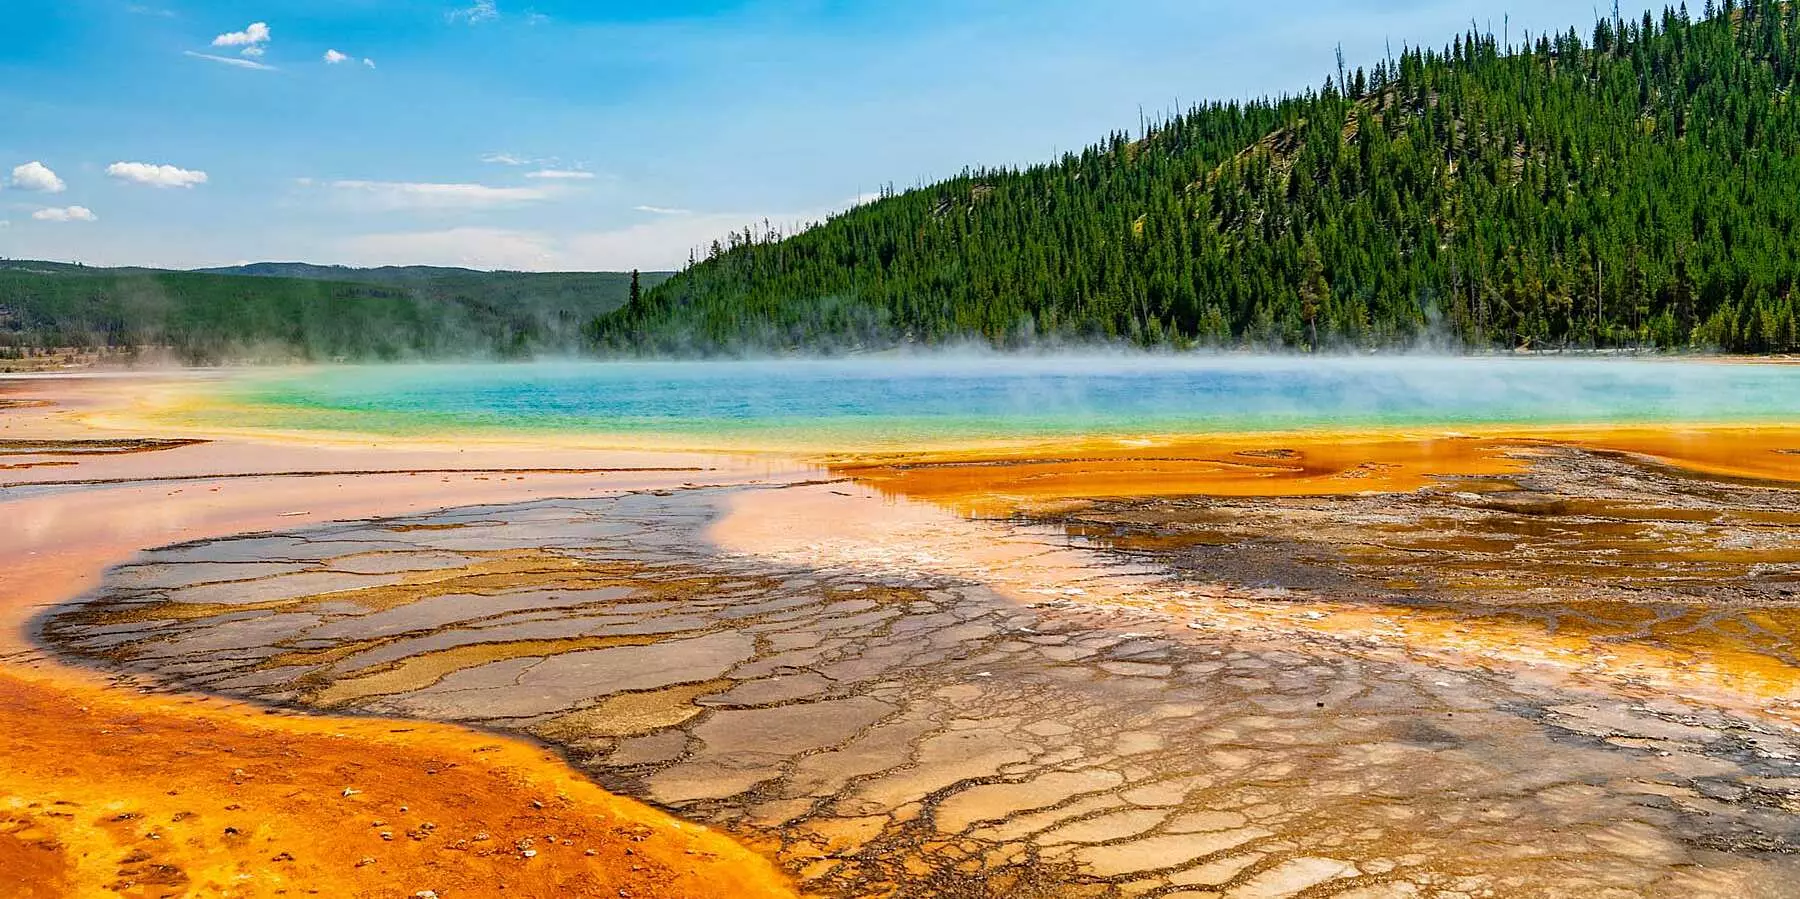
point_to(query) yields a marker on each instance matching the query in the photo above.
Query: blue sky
(554, 134)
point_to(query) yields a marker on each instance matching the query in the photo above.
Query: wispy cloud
(660, 243)
(508, 159)
(561, 175)
(37, 176)
(333, 57)
(141, 10)
(155, 175)
(231, 61)
(486, 248)
(480, 11)
(662, 210)
(397, 195)
(66, 214)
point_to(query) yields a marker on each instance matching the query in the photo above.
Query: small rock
(529, 853)
(426, 894)
(387, 834)
(366, 861)
(350, 791)
(590, 853)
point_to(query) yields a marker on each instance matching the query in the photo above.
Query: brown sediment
(1658, 554)
(1004, 481)
(416, 672)
(90, 447)
(109, 791)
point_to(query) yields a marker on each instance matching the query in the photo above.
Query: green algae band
(912, 401)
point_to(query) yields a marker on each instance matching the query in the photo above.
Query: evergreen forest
(1636, 186)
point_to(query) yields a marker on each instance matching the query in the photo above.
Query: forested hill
(291, 311)
(511, 288)
(1635, 186)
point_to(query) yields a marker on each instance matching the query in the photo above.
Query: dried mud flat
(1586, 545)
(886, 731)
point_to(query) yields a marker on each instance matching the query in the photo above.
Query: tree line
(1636, 186)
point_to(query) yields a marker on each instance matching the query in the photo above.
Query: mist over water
(912, 400)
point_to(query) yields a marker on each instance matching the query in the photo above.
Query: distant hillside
(451, 280)
(1639, 187)
(270, 312)
(386, 274)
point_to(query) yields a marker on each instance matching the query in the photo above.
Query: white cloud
(505, 159)
(662, 243)
(254, 52)
(256, 34)
(231, 61)
(37, 176)
(369, 62)
(155, 175)
(66, 214)
(333, 57)
(151, 11)
(481, 11)
(662, 210)
(485, 248)
(561, 175)
(391, 195)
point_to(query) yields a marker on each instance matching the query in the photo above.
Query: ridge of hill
(302, 312)
(1636, 187)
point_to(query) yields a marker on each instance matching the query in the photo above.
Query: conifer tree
(1639, 190)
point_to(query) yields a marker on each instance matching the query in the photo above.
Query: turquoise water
(907, 401)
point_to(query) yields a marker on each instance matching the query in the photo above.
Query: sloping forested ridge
(365, 315)
(1636, 187)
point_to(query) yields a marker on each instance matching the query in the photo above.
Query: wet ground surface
(893, 733)
(18, 454)
(1580, 544)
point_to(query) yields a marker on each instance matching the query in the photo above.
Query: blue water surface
(911, 400)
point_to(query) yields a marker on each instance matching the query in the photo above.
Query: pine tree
(1556, 194)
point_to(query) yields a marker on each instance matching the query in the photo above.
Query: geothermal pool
(909, 402)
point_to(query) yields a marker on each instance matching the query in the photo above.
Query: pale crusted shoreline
(200, 804)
